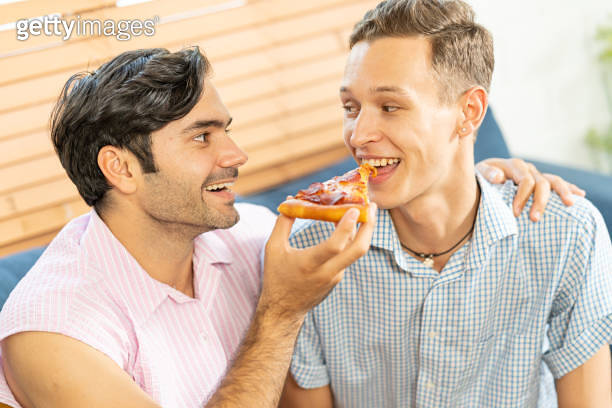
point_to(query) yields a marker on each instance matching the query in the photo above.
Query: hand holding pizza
(296, 280)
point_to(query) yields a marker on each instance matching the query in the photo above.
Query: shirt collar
(495, 219)
(385, 237)
(494, 222)
(141, 293)
(210, 248)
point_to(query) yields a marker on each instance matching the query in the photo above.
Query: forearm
(258, 372)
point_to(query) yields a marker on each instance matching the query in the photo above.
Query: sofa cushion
(598, 186)
(13, 268)
(490, 141)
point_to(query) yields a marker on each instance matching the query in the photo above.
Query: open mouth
(380, 163)
(385, 168)
(219, 187)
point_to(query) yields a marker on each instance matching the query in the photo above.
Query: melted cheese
(350, 188)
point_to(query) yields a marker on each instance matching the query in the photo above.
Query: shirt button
(432, 334)
(430, 385)
(204, 335)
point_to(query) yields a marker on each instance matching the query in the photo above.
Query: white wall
(547, 88)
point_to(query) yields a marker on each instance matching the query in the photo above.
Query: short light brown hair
(462, 51)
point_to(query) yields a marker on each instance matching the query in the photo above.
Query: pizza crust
(295, 208)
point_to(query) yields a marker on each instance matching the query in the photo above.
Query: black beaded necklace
(428, 258)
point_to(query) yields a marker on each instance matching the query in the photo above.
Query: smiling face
(197, 162)
(395, 118)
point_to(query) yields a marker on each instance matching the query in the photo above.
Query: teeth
(215, 187)
(380, 162)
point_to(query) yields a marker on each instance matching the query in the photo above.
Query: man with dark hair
(121, 104)
(146, 300)
(457, 303)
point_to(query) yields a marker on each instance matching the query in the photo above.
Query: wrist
(272, 315)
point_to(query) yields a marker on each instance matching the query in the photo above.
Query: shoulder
(578, 224)
(64, 293)
(58, 288)
(64, 270)
(581, 213)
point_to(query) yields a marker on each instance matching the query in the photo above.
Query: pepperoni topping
(346, 189)
(352, 176)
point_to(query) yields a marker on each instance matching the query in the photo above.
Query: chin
(233, 221)
(384, 203)
(389, 200)
(227, 219)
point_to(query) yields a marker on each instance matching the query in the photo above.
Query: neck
(163, 250)
(438, 219)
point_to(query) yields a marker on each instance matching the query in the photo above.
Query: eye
(389, 108)
(202, 138)
(350, 109)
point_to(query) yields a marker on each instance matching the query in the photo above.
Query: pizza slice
(330, 200)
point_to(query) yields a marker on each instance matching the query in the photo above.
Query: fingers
(564, 189)
(492, 171)
(343, 234)
(497, 171)
(298, 279)
(523, 175)
(561, 187)
(541, 195)
(530, 181)
(344, 246)
(577, 190)
(357, 247)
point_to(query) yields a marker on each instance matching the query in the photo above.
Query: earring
(463, 129)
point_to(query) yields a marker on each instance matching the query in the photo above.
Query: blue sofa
(490, 143)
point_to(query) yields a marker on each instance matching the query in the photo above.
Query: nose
(364, 129)
(231, 155)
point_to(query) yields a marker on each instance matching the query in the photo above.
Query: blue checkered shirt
(395, 333)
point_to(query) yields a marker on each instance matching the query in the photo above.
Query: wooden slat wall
(277, 65)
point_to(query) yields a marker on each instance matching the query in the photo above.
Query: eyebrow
(392, 89)
(380, 89)
(202, 124)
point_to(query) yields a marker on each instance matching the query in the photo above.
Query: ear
(473, 105)
(119, 167)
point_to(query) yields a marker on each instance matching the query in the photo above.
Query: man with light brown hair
(456, 303)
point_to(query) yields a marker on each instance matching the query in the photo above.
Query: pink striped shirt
(87, 286)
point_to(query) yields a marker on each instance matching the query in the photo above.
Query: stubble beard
(171, 205)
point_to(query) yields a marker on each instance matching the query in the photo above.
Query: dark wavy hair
(120, 104)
